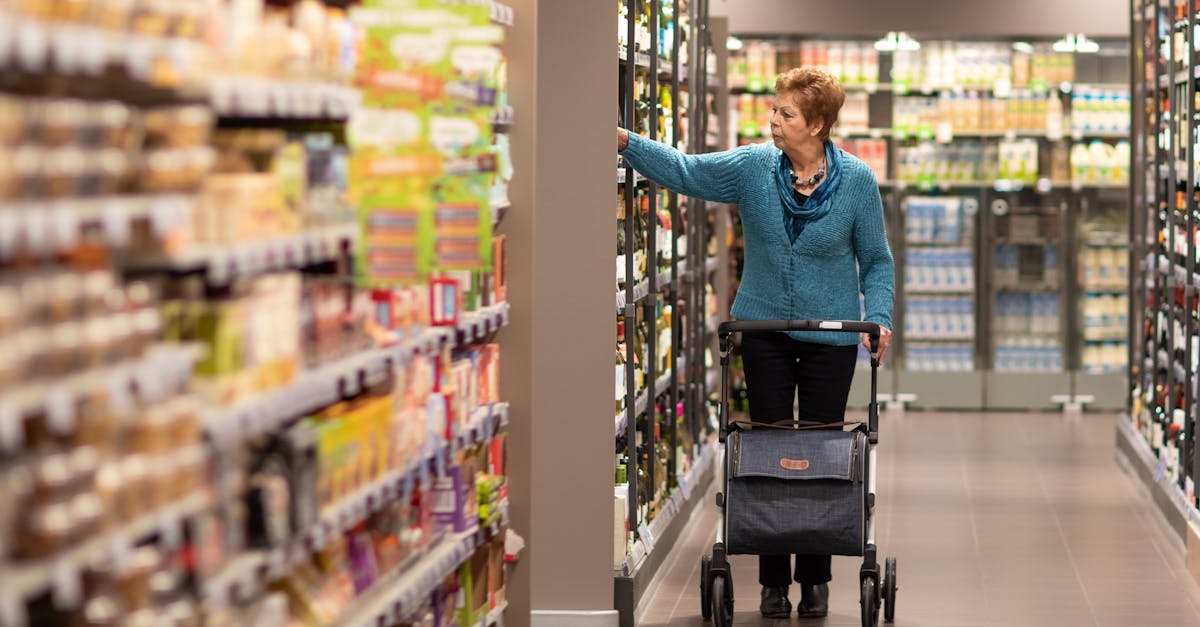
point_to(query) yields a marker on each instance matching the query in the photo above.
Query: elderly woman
(814, 236)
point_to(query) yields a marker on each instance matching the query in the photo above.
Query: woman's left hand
(885, 338)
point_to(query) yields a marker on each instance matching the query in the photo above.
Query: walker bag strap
(746, 425)
(797, 455)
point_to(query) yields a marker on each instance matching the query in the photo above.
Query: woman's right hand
(622, 139)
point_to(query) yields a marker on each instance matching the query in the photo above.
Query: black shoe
(814, 601)
(775, 602)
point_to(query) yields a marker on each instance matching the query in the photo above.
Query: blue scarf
(795, 215)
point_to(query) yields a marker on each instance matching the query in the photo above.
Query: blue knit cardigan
(821, 275)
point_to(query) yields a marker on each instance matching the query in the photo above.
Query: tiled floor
(996, 520)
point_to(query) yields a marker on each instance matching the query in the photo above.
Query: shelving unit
(660, 308)
(1011, 135)
(1159, 437)
(219, 386)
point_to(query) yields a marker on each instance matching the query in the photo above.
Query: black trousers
(780, 370)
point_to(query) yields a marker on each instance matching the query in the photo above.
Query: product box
(455, 504)
(498, 460)
(620, 526)
(489, 374)
(473, 579)
(445, 302)
(298, 448)
(497, 579)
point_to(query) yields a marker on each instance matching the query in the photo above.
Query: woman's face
(789, 129)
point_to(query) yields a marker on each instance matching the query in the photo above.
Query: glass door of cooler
(1101, 346)
(1027, 298)
(939, 350)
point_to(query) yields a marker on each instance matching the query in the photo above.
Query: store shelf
(1176, 272)
(711, 264)
(640, 292)
(929, 337)
(1075, 134)
(638, 179)
(73, 49)
(874, 133)
(711, 206)
(666, 71)
(640, 60)
(870, 88)
(943, 185)
(661, 386)
(1086, 134)
(225, 263)
(937, 291)
(500, 208)
(50, 226)
(670, 509)
(62, 575)
(664, 275)
(503, 116)
(1108, 339)
(502, 14)
(1136, 454)
(1002, 185)
(322, 386)
(164, 366)
(639, 408)
(1032, 286)
(246, 575)
(394, 596)
(254, 97)
(495, 617)
(933, 245)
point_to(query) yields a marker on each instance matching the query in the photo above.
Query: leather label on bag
(794, 464)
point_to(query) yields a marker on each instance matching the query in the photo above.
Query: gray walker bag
(796, 492)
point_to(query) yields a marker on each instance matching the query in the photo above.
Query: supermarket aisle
(996, 519)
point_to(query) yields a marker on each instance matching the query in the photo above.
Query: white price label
(139, 56)
(118, 552)
(221, 95)
(115, 220)
(66, 589)
(646, 537)
(37, 227)
(944, 133)
(120, 397)
(33, 44)
(1002, 88)
(161, 216)
(60, 411)
(8, 28)
(12, 609)
(170, 530)
(65, 227)
(149, 379)
(66, 49)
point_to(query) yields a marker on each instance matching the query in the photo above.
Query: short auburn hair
(817, 92)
